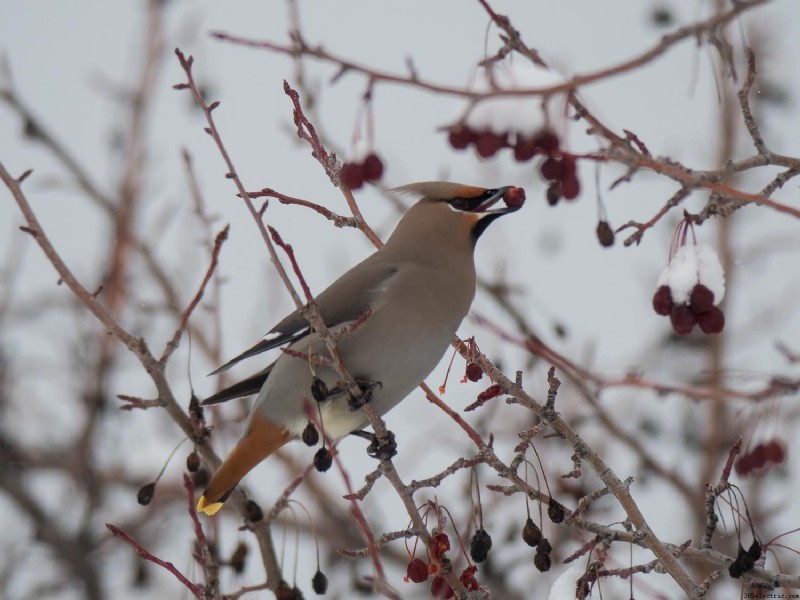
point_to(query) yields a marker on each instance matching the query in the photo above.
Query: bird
(403, 304)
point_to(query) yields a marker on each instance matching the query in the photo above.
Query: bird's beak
(493, 198)
(482, 203)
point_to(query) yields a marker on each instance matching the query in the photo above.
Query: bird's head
(454, 212)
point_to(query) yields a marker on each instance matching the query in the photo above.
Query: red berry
(758, 456)
(491, 392)
(744, 465)
(440, 544)
(682, 319)
(712, 321)
(460, 137)
(468, 578)
(525, 149)
(488, 143)
(701, 300)
(474, 372)
(514, 197)
(353, 175)
(662, 301)
(570, 187)
(440, 588)
(775, 451)
(417, 570)
(372, 167)
(552, 169)
(547, 141)
(569, 165)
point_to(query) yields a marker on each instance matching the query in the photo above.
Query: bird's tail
(262, 439)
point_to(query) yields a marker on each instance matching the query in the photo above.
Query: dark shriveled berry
(237, 560)
(323, 460)
(319, 583)
(662, 301)
(319, 391)
(754, 551)
(253, 512)
(553, 193)
(417, 570)
(201, 477)
(480, 545)
(711, 321)
(193, 462)
(542, 561)
(605, 235)
(531, 534)
(555, 511)
(145, 494)
(682, 319)
(474, 372)
(310, 435)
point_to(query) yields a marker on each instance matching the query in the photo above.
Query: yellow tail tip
(209, 509)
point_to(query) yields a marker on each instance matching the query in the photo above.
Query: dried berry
(474, 372)
(319, 583)
(570, 187)
(460, 137)
(701, 300)
(542, 561)
(440, 588)
(193, 462)
(480, 545)
(417, 570)
(555, 511)
(662, 301)
(253, 512)
(467, 578)
(488, 143)
(237, 561)
(491, 392)
(605, 234)
(145, 494)
(319, 391)
(310, 435)
(553, 193)
(440, 544)
(352, 175)
(735, 570)
(754, 551)
(372, 167)
(712, 321)
(682, 319)
(552, 169)
(323, 460)
(531, 533)
(514, 197)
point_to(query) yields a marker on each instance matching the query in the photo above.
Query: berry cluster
(561, 172)
(488, 143)
(699, 311)
(691, 286)
(356, 173)
(761, 456)
(419, 571)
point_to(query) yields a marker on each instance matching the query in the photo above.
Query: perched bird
(414, 293)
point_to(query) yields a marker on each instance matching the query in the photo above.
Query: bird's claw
(382, 450)
(366, 386)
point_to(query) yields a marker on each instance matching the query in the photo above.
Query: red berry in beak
(514, 197)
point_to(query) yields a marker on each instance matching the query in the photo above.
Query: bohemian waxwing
(419, 287)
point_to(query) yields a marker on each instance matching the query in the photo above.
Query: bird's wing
(344, 300)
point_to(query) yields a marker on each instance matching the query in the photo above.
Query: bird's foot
(382, 449)
(366, 386)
